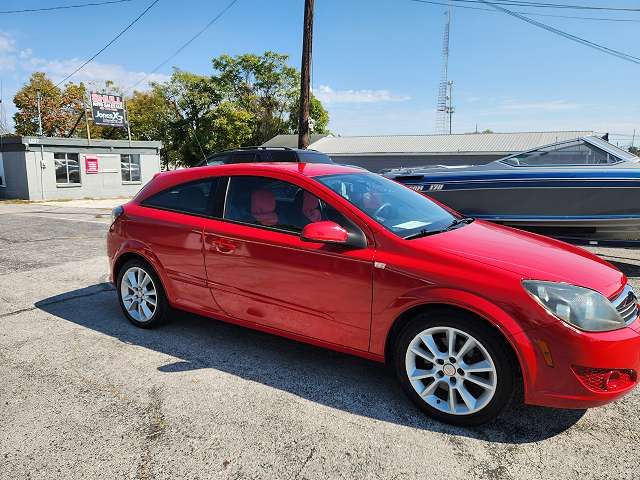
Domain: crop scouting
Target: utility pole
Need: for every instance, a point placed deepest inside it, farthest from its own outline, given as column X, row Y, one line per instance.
column 305, row 76
column 39, row 114
column 450, row 108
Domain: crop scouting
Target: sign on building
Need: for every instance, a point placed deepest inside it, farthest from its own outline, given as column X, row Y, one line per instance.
column 108, row 110
column 91, row 164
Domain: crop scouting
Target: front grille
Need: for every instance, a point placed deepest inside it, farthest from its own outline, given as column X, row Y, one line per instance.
column 627, row 305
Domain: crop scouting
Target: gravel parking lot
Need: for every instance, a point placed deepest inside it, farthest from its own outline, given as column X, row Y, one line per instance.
column 84, row 394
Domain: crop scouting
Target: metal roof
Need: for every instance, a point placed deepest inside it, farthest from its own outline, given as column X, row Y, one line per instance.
column 472, row 143
column 18, row 142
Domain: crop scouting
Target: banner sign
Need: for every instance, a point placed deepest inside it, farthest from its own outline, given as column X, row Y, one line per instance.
column 90, row 164
column 107, row 109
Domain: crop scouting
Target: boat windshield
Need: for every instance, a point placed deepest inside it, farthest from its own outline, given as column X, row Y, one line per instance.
column 576, row 153
column 399, row 209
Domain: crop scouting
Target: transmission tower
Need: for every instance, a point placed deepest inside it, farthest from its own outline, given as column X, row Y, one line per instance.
column 444, row 109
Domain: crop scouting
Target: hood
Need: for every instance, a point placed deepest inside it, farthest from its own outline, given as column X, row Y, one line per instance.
column 532, row 256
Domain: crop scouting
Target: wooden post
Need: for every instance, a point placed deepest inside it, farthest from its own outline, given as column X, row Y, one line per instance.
column 305, row 76
column 86, row 120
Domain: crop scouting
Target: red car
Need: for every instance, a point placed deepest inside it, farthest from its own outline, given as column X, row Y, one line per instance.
column 469, row 314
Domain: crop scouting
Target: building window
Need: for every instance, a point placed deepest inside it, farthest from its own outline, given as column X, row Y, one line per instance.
column 67, row 168
column 130, row 168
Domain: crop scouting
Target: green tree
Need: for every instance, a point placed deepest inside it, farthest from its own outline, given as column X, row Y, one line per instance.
column 318, row 114
column 193, row 100
column 151, row 117
column 247, row 100
column 60, row 108
column 263, row 85
column 635, row 150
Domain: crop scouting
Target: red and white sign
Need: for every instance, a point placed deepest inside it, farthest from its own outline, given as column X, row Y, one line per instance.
column 91, row 164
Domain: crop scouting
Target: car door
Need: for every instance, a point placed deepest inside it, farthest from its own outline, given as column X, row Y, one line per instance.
column 260, row 270
column 171, row 224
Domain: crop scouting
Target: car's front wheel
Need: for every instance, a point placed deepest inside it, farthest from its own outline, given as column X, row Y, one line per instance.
column 141, row 295
column 455, row 367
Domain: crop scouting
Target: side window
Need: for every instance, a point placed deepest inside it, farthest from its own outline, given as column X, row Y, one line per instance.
column 273, row 203
column 243, row 157
column 193, row 197
column 130, row 168
column 67, row 168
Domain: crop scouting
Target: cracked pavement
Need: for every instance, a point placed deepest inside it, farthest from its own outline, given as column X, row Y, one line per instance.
column 84, row 394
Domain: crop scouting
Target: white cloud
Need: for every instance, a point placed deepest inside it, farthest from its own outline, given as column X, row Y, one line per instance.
column 7, row 43
column 329, row 95
column 7, row 49
column 24, row 62
column 94, row 74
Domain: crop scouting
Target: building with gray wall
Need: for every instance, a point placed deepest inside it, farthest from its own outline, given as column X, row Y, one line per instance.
column 378, row 152
column 43, row 168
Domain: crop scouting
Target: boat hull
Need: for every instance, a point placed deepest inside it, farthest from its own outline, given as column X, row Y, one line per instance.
column 586, row 188
column 606, row 213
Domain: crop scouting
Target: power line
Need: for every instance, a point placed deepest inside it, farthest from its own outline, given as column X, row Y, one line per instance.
column 183, row 46
column 63, row 7
column 133, row 22
column 597, row 46
column 573, row 17
column 522, row 3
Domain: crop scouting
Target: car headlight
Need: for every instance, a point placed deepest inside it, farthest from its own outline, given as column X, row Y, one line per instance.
column 583, row 308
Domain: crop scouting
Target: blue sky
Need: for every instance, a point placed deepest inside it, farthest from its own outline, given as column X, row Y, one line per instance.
column 376, row 63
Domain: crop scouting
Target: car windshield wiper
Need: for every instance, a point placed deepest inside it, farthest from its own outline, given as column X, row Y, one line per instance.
column 457, row 222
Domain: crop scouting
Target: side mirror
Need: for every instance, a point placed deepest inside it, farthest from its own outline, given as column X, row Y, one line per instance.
column 324, row 232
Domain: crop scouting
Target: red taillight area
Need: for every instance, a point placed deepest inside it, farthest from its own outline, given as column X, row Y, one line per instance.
column 605, row 379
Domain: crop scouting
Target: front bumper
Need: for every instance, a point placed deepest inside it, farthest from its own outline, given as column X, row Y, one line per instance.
column 559, row 385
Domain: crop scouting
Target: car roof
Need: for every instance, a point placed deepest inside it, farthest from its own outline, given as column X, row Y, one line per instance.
column 175, row 177
column 306, row 169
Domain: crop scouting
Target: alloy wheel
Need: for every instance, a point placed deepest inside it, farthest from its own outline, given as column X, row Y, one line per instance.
column 139, row 295
column 451, row 370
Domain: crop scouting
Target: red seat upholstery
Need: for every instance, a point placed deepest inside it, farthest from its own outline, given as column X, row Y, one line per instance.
column 311, row 207
column 263, row 207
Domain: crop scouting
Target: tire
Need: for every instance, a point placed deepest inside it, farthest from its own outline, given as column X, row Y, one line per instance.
column 140, row 310
column 470, row 387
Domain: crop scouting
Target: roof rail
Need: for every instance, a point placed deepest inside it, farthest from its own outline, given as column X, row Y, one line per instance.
column 257, row 148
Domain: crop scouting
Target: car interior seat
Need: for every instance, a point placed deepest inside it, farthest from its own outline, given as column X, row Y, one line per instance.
column 263, row 207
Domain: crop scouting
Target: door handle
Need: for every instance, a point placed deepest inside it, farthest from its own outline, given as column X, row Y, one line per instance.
column 221, row 245
column 225, row 246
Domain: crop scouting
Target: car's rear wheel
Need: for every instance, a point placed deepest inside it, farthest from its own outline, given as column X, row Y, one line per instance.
column 454, row 367
column 141, row 295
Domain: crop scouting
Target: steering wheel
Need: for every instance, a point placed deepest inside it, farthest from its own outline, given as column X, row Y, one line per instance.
column 380, row 209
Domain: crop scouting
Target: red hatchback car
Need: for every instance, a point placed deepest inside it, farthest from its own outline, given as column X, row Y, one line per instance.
column 468, row 313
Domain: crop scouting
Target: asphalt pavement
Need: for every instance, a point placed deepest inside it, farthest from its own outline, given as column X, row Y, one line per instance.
column 84, row 394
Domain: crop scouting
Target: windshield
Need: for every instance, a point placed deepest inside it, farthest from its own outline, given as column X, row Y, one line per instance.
column 572, row 154
column 394, row 206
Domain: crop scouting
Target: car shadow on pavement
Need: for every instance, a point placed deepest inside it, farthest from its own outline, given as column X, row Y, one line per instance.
column 330, row 378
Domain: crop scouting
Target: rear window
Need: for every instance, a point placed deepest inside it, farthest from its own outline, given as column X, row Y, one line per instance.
column 193, row 198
